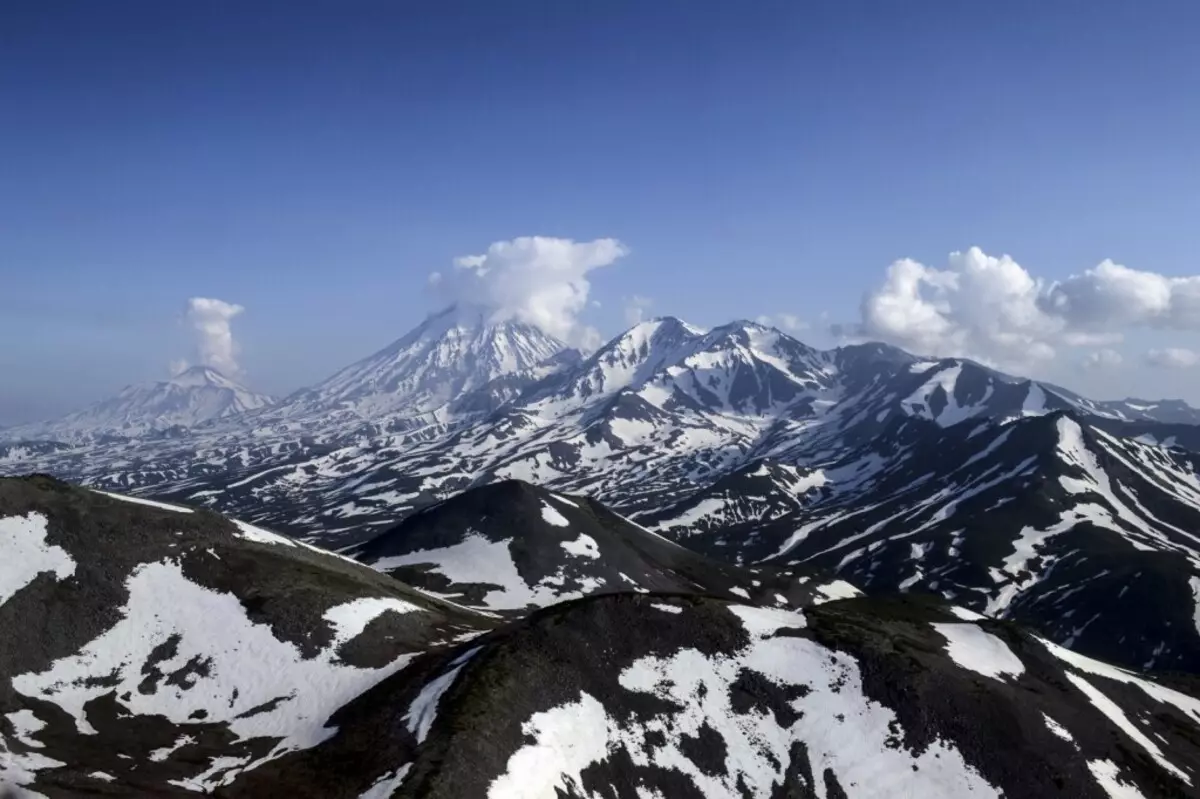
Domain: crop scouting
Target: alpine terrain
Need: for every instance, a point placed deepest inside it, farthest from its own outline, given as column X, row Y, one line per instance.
column 1011, row 497
column 159, row 650
column 197, row 395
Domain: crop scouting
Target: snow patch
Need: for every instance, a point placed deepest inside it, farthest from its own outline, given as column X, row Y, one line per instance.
column 24, row 554
column 148, row 502
column 583, row 547
column 423, row 710
column 246, row 666
column 979, row 651
column 552, row 516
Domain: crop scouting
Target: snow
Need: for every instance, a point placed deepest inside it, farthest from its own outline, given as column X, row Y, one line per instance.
column 477, row 560
column 1118, row 718
column 565, row 500
column 25, row 723
column 388, row 784
column 740, row 592
column 148, row 502
column 1107, row 777
column 966, row 615
column 349, row 619
column 918, row 403
column 584, row 547
column 567, row 739
column 423, row 710
column 842, row 729
column 1058, row 730
column 666, row 608
column 25, row 553
column 979, row 651
column 838, row 589
column 552, row 516
column 1035, row 401
column 247, row 666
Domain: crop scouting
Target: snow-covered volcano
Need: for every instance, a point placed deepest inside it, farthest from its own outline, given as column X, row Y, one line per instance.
column 199, row 394
column 452, row 353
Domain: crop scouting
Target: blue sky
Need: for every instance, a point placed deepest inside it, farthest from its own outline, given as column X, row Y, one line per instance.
column 314, row 162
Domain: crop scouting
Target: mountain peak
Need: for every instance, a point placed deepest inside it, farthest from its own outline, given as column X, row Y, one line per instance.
column 456, row 350
column 202, row 375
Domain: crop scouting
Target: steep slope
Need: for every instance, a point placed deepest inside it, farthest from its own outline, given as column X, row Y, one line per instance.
column 151, row 650
column 1091, row 538
column 200, row 394
column 456, row 351
column 654, row 695
column 511, row 546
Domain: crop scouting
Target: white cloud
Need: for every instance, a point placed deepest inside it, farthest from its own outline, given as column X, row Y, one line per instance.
column 538, row 280
column 210, row 319
column 1102, row 359
column 784, row 321
column 635, row 309
column 1172, row 358
column 992, row 309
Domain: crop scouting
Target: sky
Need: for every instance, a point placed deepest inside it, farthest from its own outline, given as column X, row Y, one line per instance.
column 269, row 187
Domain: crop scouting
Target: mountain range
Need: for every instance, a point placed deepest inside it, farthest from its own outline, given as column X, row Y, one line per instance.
column 191, row 398
column 1012, row 497
column 161, row 650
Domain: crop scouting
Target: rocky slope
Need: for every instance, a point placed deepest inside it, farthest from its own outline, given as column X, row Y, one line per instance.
column 511, row 546
column 160, row 651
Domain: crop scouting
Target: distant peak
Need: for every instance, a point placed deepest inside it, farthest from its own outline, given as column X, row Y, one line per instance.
column 201, row 375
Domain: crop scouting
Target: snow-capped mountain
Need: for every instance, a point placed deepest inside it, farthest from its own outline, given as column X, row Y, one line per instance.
column 453, row 353
column 155, row 650
column 746, row 445
column 511, row 546
column 199, row 394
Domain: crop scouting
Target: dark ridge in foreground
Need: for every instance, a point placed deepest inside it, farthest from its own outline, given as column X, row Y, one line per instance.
column 153, row 651
column 683, row 696
column 159, row 651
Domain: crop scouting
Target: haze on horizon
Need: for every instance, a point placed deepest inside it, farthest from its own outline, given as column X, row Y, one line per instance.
column 277, row 191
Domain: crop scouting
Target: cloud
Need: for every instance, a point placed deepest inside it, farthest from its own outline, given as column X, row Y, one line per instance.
column 784, row 321
column 992, row 309
column 210, row 320
column 1172, row 358
column 537, row 280
column 1102, row 359
column 635, row 309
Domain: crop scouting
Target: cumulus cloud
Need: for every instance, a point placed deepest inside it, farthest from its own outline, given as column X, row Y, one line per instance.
column 784, row 321
column 537, row 280
column 1102, row 359
column 635, row 309
column 210, row 320
column 992, row 309
column 1172, row 358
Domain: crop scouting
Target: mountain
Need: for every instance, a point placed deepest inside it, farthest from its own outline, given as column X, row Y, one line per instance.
column 454, row 352
column 1168, row 411
column 198, row 395
column 157, row 650
column 632, row 696
column 510, row 546
column 894, row 471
